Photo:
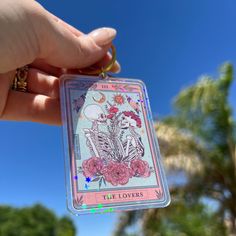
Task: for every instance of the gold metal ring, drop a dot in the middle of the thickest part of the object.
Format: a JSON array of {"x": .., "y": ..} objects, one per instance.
[
  {"x": 20, "y": 80},
  {"x": 102, "y": 71}
]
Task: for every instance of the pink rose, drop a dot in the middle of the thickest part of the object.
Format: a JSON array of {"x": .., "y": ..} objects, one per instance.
[
  {"x": 140, "y": 168},
  {"x": 133, "y": 116},
  {"x": 92, "y": 166},
  {"x": 113, "y": 109},
  {"x": 110, "y": 116},
  {"x": 117, "y": 173},
  {"x": 138, "y": 122}
]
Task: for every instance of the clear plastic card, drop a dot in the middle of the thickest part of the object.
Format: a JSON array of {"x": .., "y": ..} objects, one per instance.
[{"x": 112, "y": 156}]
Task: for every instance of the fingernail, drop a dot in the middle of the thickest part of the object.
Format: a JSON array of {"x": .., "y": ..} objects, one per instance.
[
  {"x": 103, "y": 36},
  {"x": 116, "y": 68}
]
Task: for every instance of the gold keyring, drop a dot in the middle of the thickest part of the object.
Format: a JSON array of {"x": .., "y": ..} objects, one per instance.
[
  {"x": 20, "y": 80},
  {"x": 102, "y": 71}
]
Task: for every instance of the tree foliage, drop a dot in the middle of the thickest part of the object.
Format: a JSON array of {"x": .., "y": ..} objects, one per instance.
[
  {"x": 182, "y": 219},
  {"x": 199, "y": 139},
  {"x": 33, "y": 221},
  {"x": 203, "y": 113}
]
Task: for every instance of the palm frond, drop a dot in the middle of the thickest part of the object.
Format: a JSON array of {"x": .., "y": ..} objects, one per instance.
[{"x": 178, "y": 149}]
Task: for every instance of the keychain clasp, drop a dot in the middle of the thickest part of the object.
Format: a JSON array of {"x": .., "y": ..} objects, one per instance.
[{"x": 102, "y": 72}]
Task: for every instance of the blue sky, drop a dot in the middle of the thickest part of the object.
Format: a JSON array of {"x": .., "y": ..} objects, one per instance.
[{"x": 166, "y": 43}]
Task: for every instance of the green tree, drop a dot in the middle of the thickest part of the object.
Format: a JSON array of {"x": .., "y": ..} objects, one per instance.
[
  {"x": 33, "y": 221},
  {"x": 65, "y": 227},
  {"x": 182, "y": 219},
  {"x": 199, "y": 139}
]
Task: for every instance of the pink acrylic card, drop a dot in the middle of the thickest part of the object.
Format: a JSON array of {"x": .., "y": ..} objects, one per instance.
[{"x": 112, "y": 156}]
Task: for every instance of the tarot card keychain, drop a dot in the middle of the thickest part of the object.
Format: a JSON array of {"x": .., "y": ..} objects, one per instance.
[{"x": 111, "y": 151}]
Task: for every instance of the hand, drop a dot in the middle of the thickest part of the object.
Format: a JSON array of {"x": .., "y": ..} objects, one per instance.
[{"x": 29, "y": 34}]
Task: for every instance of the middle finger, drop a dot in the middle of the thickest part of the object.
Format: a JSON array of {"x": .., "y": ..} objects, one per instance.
[{"x": 42, "y": 83}]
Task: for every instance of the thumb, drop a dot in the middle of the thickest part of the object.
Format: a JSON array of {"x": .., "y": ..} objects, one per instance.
[{"x": 62, "y": 48}]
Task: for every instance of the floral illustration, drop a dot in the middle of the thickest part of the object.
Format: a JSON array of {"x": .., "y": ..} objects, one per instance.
[
  {"x": 133, "y": 116},
  {"x": 140, "y": 168},
  {"x": 114, "y": 142},
  {"x": 92, "y": 166},
  {"x": 117, "y": 173}
]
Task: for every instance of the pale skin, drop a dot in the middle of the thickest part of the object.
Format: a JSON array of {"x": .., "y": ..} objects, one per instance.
[{"x": 30, "y": 35}]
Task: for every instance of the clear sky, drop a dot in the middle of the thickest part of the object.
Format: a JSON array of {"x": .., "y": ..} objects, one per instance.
[{"x": 166, "y": 43}]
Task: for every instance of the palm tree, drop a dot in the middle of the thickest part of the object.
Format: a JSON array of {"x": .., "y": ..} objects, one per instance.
[{"x": 199, "y": 139}]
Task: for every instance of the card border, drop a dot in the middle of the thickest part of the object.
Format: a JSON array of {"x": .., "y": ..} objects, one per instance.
[{"x": 154, "y": 150}]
